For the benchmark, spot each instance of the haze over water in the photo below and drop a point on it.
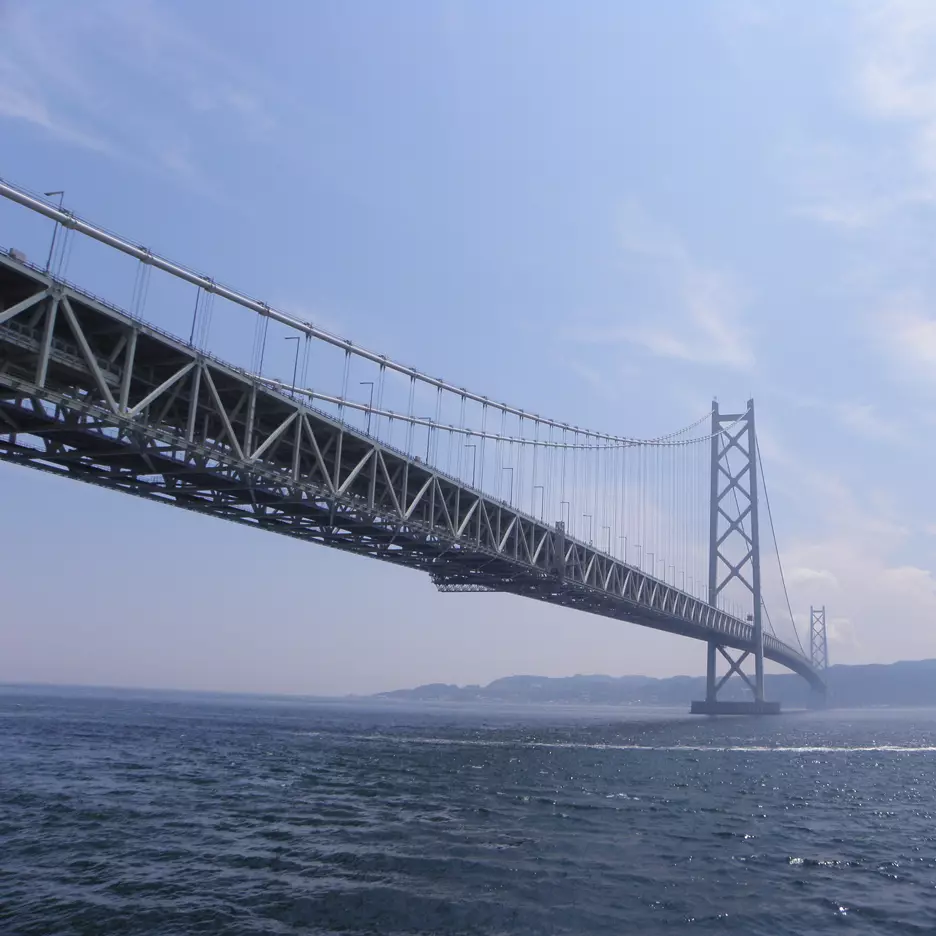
(172, 814)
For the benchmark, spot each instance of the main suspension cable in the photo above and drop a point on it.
(773, 533)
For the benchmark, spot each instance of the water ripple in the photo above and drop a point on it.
(152, 816)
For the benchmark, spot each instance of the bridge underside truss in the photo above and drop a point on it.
(90, 393)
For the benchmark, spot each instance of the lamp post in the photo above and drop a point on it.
(428, 421)
(609, 538)
(370, 405)
(510, 469)
(588, 517)
(295, 362)
(474, 459)
(542, 489)
(61, 195)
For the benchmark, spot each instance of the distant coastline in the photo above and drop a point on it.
(910, 683)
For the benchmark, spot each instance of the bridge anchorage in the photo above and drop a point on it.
(479, 495)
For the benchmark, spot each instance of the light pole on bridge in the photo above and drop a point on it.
(588, 517)
(295, 362)
(609, 538)
(61, 195)
(474, 459)
(363, 383)
(428, 422)
(510, 469)
(542, 490)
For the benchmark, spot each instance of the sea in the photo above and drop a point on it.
(161, 813)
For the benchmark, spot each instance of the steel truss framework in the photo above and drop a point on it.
(818, 639)
(91, 393)
(734, 552)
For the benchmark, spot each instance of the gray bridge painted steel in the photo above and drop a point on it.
(91, 393)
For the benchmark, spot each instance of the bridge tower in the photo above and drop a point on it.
(734, 554)
(818, 642)
(818, 653)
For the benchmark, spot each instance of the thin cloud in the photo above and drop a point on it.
(906, 330)
(57, 73)
(892, 61)
(865, 420)
(711, 330)
(878, 608)
(22, 99)
(859, 417)
(896, 75)
(700, 314)
(882, 58)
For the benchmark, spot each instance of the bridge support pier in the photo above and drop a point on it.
(711, 690)
(734, 554)
(712, 705)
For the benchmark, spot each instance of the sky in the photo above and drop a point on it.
(607, 213)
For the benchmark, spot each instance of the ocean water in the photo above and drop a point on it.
(165, 814)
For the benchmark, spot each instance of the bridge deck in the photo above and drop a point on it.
(91, 393)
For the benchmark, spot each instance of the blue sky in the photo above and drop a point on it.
(607, 213)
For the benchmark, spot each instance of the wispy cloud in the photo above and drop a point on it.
(893, 77)
(20, 101)
(864, 419)
(125, 78)
(905, 328)
(712, 329)
(29, 64)
(889, 50)
(802, 575)
(861, 418)
(869, 176)
(850, 558)
(896, 70)
(849, 190)
(603, 383)
(698, 311)
(878, 69)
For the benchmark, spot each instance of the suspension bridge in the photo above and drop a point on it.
(340, 446)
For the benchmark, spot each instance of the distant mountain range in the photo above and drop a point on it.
(909, 683)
